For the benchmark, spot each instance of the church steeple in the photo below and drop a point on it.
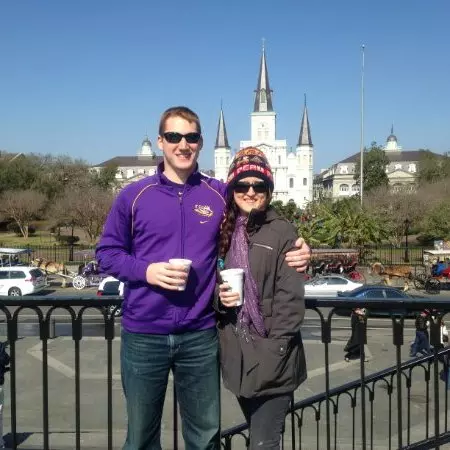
(222, 138)
(305, 131)
(263, 97)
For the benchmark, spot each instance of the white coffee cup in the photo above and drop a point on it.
(235, 279)
(186, 263)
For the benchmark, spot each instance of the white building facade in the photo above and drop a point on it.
(293, 171)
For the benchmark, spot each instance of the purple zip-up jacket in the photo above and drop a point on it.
(151, 221)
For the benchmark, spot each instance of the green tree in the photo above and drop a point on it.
(20, 173)
(290, 211)
(436, 224)
(375, 162)
(432, 168)
(106, 178)
(341, 223)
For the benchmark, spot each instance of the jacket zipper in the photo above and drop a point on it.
(263, 246)
(180, 197)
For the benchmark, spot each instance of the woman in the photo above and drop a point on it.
(262, 354)
(353, 347)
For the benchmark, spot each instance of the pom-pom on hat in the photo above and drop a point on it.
(250, 162)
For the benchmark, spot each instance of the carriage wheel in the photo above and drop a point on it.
(357, 276)
(420, 281)
(79, 282)
(433, 286)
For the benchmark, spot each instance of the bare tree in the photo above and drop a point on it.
(393, 208)
(85, 207)
(23, 207)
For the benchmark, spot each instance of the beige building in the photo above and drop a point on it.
(133, 168)
(338, 181)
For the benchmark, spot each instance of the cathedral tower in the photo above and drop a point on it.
(304, 155)
(222, 150)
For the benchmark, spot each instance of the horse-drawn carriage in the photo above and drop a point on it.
(325, 261)
(87, 275)
(436, 274)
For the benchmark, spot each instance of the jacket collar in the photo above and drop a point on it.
(194, 178)
(257, 218)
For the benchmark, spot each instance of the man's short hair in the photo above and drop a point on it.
(179, 111)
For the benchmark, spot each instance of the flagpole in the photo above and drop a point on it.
(361, 176)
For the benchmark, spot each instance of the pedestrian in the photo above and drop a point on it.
(261, 350)
(421, 344)
(168, 321)
(353, 347)
(4, 368)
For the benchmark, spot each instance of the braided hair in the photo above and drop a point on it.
(227, 227)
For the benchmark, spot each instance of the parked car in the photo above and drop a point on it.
(375, 292)
(111, 286)
(21, 280)
(329, 286)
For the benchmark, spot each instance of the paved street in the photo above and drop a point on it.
(93, 386)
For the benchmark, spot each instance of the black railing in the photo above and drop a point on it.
(53, 252)
(367, 255)
(391, 255)
(343, 414)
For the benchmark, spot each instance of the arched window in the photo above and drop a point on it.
(291, 183)
(279, 160)
(343, 187)
(305, 181)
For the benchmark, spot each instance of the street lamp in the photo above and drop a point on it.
(407, 223)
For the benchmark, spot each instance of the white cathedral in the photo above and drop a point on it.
(293, 170)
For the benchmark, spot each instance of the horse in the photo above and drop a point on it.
(51, 267)
(387, 272)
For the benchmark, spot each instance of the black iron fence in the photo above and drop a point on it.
(391, 255)
(56, 252)
(346, 413)
(367, 255)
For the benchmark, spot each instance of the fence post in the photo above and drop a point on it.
(52, 330)
(54, 252)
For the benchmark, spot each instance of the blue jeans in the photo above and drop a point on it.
(146, 361)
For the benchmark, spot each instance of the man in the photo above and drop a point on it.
(175, 213)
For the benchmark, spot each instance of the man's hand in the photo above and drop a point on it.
(299, 258)
(166, 275)
(228, 298)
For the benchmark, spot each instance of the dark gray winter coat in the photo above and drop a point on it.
(275, 364)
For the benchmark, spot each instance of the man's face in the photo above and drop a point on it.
(180, 156)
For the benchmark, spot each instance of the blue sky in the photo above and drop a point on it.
(89, 78)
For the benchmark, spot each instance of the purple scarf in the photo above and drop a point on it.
(250, 312)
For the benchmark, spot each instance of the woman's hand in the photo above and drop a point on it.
(229, 299)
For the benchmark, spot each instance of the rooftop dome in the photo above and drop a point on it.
(392, 137)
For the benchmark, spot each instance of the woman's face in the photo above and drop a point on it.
(250, 193)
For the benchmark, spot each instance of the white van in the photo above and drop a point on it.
(21, 280)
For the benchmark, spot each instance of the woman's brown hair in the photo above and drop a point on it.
(227, 227)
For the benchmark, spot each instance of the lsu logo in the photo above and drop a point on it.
(204, 211)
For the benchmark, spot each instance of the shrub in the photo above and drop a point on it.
(67, 240)
(14, 228)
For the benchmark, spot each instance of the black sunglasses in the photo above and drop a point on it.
(175, 138)
(243, 188)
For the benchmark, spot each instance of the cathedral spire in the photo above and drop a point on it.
(221, 139)
(263, 97)
(305, 131)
